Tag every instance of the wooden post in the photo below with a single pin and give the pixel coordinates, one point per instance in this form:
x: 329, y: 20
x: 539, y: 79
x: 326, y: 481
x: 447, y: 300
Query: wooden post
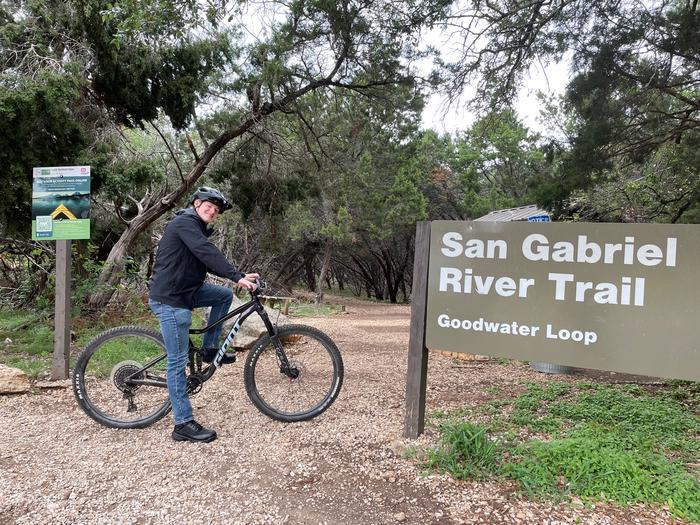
x: 61, y: 340
x: 417, y: 351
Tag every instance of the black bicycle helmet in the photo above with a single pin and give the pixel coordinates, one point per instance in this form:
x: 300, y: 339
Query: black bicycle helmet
x: 205, y: 193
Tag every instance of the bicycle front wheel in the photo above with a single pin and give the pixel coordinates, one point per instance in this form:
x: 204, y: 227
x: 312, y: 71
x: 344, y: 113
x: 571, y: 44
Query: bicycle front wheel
x: 119, y: 378
x: 310, y: 384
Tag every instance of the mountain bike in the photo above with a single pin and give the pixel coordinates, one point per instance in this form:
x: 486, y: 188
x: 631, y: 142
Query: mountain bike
x: 291, y: 373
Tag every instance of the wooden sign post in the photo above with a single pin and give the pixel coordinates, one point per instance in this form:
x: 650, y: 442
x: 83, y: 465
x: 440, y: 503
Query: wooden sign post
x: 61, y: 342
x: 61, y: 212
x: 417, y: 352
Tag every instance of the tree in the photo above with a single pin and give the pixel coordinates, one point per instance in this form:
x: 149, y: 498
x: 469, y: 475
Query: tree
x: 303, y: 179
x: 634, y: 87
x: 147, y: 58
x: 665, y: 188
x: 28, y: 105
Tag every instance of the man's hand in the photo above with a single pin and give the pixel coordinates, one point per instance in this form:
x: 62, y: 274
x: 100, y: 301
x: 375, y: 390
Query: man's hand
x: 247, y: 282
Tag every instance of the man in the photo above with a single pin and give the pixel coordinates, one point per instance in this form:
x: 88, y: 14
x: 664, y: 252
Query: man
x: 177, y: 286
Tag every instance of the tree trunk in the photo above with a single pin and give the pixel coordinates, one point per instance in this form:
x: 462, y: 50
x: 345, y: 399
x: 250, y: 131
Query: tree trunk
x: 284, y: 268
x: 385, y: 263
x: 112, y: 271
x: 324, y: 269
x: 309, y: 272
x: 371, y: 283
x: 340, y: 279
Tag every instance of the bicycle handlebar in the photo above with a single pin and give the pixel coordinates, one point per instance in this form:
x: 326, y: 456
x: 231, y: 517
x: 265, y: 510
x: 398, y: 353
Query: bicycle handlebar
x: 261, y: 286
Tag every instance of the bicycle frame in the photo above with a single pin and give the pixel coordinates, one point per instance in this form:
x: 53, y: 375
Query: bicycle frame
x: 244, y: 311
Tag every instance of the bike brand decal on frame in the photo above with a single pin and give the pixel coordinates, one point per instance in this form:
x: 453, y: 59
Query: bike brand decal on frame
x: 229, y: 338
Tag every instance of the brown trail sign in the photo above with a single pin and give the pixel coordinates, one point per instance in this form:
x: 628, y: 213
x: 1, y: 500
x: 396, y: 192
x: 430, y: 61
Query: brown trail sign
x: 618, y: 297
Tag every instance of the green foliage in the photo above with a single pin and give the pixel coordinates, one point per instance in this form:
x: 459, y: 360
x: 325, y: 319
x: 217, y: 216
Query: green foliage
x: 465, y: 451
x: 122, y: 349
x: 137, y: 80
x: 631, y: 92
x: 27, y: 105
x: 32, y: 341
x: 128, y: 176
x: 621, y: 444
x: 530, y: 409
x: 147, y: 18
x: 300, y: 221
x: 385, y: 205
x: 303, y: 309
x: 32, y: 333
x: 654, y: 417
x: 682, y: 391
x: 595, y: 463
x: 29, y: 333
x: 665, y: 187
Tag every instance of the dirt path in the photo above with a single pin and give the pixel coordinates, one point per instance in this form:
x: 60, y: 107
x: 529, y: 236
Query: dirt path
x: 346, y: 467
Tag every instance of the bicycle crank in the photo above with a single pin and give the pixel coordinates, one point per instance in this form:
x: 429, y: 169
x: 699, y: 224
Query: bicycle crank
x: 194, y: 383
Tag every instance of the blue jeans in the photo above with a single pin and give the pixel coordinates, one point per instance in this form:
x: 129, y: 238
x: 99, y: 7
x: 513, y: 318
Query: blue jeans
x: 175, y: 325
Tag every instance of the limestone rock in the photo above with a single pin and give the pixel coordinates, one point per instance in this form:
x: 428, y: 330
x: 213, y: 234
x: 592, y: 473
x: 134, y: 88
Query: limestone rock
x: 13, y: 380
x: 252, y: 327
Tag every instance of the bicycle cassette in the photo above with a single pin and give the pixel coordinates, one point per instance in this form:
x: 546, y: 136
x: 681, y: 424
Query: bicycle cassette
x: 123, y: 371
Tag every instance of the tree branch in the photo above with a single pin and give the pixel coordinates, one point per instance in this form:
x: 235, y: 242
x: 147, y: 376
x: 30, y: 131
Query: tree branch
x: 172, y: 153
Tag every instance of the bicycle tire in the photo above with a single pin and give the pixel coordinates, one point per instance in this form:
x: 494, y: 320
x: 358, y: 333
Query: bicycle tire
x: 317, y: 386
x: 101, y: 370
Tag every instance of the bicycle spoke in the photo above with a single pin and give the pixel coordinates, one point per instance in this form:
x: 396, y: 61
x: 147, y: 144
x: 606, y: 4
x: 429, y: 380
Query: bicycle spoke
x: 305, y: 389
x: 120, y: 378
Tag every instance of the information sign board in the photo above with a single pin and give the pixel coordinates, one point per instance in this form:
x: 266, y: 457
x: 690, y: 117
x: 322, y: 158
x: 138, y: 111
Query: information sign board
x: 61, y: 203
x: 620, y: 297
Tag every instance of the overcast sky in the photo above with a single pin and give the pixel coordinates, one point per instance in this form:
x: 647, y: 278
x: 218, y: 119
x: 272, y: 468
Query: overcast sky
x: 551, y: 80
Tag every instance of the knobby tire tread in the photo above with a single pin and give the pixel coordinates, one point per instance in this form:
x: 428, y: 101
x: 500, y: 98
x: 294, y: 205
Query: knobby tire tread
x: 79, y: 378
x: 263, y: 343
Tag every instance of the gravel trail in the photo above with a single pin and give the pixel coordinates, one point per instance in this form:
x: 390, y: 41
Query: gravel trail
x: 346, y: 467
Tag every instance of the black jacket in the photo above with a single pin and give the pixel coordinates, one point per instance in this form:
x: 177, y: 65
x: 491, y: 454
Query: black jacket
x: 184, y: 257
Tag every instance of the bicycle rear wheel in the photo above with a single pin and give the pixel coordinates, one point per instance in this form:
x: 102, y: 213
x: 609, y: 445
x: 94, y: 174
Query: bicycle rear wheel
x: 119, y: 378
x: 313, y: 385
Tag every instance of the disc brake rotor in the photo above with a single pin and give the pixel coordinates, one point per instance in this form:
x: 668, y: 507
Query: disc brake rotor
x: 295, y: 370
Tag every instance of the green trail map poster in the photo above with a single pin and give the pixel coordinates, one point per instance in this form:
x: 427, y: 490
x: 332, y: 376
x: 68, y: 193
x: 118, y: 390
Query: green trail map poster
x: 61, y: 203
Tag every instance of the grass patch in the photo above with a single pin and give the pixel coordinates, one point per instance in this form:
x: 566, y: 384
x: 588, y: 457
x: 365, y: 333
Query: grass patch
x: 10, y: 320
x: 32, y: 336
x: 611, y: 443
x: 302, y: 309
x: 34, y: 367
x: 26, y: 342
x: 465, y: 451
x: 595, y: 463
x: 120, y: 349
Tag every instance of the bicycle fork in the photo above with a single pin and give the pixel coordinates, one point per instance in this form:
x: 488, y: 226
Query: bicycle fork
x: 285, y: 368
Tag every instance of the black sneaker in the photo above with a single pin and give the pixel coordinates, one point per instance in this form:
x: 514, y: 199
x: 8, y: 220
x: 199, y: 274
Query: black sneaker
x: 194, y: 432
x: 208, y: 355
